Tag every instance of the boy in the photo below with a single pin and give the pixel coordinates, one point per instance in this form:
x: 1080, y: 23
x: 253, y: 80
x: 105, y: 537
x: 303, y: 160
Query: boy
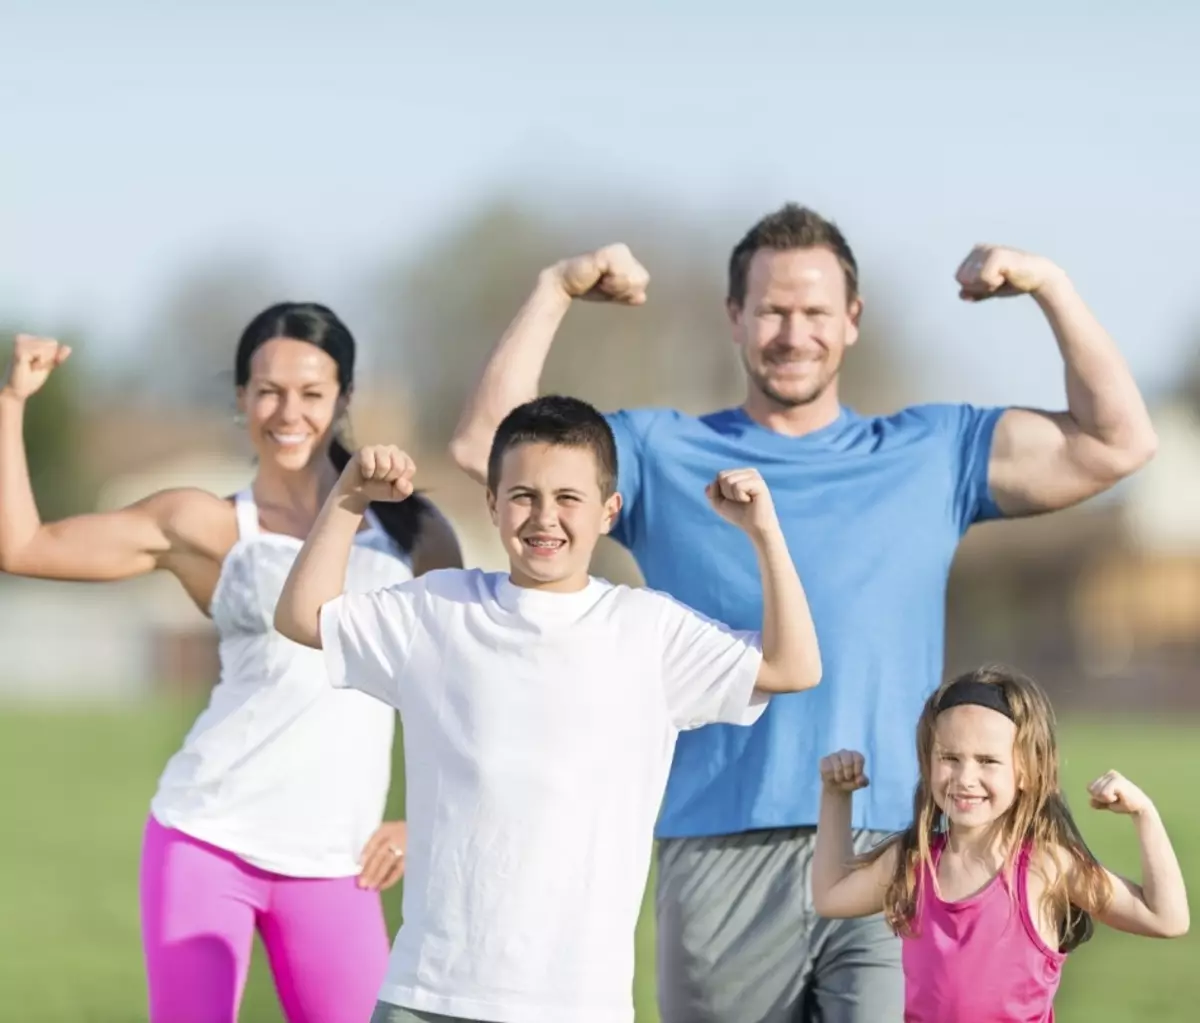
x: 541, y: 708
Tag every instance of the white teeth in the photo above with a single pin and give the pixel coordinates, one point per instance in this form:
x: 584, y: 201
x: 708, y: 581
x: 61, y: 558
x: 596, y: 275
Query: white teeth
x: 288, y: 439
x: 544, y: 543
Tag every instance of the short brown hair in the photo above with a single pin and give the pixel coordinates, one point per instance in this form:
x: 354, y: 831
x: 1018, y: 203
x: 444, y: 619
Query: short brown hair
x: 562, y: 421
x: 790, y: 227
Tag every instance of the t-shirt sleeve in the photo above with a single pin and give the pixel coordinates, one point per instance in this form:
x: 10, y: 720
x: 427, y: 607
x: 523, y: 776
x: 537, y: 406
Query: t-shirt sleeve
x: 709, y: 669
x: 629, y: 427
x: 973, y: 496
x: 969, y: 430
x: 367, y: 638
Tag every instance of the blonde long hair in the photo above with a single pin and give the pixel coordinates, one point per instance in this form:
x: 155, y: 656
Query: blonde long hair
x: 1038, y: 815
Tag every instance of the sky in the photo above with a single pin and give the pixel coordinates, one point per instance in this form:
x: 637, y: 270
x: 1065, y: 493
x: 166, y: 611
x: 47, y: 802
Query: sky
x: 138, y: 140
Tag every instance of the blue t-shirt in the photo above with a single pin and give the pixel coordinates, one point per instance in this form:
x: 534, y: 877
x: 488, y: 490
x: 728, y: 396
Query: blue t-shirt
x: 873, y: 509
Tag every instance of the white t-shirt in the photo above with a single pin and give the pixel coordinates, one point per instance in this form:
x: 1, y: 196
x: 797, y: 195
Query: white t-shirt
x: 539, y: 729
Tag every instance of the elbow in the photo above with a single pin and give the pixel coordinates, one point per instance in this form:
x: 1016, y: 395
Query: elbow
x: 469, y: 457
x: 10, y: 563
x: 824, y: 905
x: 806, y: 674
x: 1133, y: 453
x: 814, y: 674
x: 1176, y: 927
x: 283, y: 621
x: 287, y: 624
x: 819, y: 901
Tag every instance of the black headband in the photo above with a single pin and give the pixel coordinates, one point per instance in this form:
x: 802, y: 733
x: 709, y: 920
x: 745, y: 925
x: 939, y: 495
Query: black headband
x: 981, y: 694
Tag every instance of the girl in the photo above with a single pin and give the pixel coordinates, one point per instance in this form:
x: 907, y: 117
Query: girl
x: 269, y: 818
x: 992, y: 884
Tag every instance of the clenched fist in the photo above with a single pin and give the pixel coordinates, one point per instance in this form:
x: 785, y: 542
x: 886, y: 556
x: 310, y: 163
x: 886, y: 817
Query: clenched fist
x: 1112, y: 791
x: 843, y: 771
x: 610, y: 274
x: 992, y: 271
x: 33, y: 360
x: 741, y: 496
x: 378, y: 472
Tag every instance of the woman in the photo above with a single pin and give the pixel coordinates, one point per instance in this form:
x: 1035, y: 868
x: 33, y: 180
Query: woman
x: 269, y: 817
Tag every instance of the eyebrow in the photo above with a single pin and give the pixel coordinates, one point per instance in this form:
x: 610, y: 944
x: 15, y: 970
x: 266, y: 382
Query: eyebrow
x: 268, y: 382
x: 526, y: 487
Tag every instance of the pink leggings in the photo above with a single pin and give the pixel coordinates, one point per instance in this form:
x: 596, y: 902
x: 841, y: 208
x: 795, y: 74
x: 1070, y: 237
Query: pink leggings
x: 326, y: 939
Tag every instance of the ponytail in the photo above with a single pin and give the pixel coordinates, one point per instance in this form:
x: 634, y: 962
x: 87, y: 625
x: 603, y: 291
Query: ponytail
x: 401, y: 520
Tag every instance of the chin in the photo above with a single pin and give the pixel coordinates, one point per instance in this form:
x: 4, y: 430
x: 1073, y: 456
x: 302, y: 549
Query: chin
x: 794, y: 393
x: 546, y: 575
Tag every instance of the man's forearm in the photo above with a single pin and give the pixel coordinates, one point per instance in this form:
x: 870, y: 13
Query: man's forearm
x: 319, y: 572
x: 791, y: 655
x: 512, y: 373
x: 1103, y: 398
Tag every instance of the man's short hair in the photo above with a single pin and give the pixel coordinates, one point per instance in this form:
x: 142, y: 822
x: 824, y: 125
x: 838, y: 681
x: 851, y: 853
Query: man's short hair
x: 790, y: 227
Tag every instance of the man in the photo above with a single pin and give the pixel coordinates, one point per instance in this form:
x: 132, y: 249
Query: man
x: 873, y: 509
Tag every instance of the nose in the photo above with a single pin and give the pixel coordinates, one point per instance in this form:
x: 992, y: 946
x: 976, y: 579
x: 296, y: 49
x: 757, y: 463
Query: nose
x: 290, y: 407
x: 545, y: 514
x: 794, y: 332
x: 966, y: 775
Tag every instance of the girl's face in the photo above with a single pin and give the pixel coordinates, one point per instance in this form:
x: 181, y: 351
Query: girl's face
x: 291, y: 402
x: 974, y: 771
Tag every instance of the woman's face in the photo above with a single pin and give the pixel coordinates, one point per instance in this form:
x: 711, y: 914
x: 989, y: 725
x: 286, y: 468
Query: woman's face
x: 291, y: 403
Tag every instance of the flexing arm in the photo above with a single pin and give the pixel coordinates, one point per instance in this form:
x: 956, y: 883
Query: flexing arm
x: 791, y: 657
x: 97, y: 547
x: 513, y: 372
x: 839, y: 889
x: 1044, y: 461
x: 1158, y: 907
x: 378, y: 473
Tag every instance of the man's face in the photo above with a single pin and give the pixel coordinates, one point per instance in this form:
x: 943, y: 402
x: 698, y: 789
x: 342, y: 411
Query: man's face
x: 795, y: 324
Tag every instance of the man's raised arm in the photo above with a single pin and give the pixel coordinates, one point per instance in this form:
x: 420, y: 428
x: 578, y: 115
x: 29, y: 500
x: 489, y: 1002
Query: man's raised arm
x: 513, y: 372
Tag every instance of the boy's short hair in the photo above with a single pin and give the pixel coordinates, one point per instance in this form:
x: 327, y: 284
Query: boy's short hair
x: 554, y: 419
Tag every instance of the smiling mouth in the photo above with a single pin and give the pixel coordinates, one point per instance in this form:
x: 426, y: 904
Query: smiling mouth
x: 288, y: 440
x: 793, y: 365
x: 968, y: 802
x: 543, y: 546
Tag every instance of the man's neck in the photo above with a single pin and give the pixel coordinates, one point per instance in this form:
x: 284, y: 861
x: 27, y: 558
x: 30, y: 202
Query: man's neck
x: 794, y: 420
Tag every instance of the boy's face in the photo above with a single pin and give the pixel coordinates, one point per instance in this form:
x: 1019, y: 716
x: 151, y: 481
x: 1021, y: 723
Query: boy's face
x: 550, y: 513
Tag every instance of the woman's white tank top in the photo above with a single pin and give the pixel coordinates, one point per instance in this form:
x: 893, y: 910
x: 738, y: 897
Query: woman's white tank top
x: 280, y: 768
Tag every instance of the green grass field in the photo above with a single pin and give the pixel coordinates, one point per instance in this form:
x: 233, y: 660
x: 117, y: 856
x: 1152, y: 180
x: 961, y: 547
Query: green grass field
x: 76, y: 787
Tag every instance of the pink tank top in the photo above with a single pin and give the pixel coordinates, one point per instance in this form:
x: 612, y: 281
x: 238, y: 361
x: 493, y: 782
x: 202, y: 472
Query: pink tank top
x: 980, y: 959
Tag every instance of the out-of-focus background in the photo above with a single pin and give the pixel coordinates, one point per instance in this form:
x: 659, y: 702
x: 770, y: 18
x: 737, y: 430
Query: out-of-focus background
x: 168, y: 170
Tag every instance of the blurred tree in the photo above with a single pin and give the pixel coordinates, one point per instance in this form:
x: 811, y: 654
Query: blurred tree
x: 188, y: 355
x: 53, y: 420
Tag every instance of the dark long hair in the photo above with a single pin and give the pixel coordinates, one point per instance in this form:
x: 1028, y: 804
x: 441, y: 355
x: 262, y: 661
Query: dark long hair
x: 318, y: 325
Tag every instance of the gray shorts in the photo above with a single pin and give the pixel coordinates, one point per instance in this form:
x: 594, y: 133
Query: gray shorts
x: 739, y: 941
x: 386, y: 1012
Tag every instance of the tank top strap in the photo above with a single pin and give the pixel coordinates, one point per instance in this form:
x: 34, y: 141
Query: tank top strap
x: 1021, y: 873
x: 247, y: 514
